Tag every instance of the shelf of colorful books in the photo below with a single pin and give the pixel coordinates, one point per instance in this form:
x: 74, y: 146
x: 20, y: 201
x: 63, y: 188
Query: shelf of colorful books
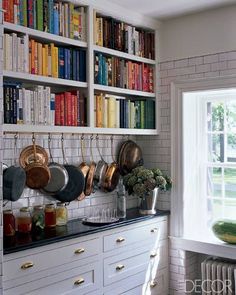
x: 124, y: 55
x: 122, y: 91
x: 18, y: 76
x: 11, y: 128
x: 43, y: 35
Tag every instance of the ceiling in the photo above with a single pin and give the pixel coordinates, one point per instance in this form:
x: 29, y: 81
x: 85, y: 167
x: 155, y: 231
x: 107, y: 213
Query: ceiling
x: 162, y: 9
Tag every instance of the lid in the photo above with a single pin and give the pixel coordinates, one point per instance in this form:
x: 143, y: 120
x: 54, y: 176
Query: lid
x: 50, y: 206
x: 8, y: 211
x: 61, y: 204
x: 24, y: 209
x: 38, y: 207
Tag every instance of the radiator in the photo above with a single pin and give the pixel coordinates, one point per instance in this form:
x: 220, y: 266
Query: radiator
x: 218, y: 277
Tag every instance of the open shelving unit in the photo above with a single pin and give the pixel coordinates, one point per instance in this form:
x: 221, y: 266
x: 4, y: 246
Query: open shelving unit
x: 89, y: 87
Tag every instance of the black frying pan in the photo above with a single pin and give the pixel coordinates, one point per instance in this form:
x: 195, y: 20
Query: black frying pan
x: 74, y: 187
x: 14, y: 179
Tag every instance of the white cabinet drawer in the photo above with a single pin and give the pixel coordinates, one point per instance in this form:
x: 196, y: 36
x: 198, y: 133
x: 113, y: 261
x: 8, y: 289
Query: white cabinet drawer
x: 48, y: 259
x: 153, y: 232
x: 80, y: 280
x: 157, y: 286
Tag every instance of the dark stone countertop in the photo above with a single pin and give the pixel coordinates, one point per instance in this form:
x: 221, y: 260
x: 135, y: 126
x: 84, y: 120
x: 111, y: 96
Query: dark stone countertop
x: 74, y: 229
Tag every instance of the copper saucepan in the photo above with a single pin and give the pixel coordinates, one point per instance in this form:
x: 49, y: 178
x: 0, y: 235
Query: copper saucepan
x: 35, y: 166
x: 129, y: 157
x: 112, y: 174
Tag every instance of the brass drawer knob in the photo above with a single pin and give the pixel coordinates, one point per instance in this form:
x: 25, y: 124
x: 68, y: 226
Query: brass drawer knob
x: 120, y: 240
x: 153, y: 255
x: 120, y: 267
x: 154, y: 230
x: 27, y: 265
x: 79, y: 281
x: 153, y: 284
x: 79, y: 251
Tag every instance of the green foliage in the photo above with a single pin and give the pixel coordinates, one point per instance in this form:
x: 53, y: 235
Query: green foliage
x: 142, y: 180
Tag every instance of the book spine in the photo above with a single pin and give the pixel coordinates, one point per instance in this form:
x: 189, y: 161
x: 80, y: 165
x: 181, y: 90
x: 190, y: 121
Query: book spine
x: 30, y: 14
x: 6, y: 105
x: 45, y: 16
x: 61, y: 62
x: 50, y: 16
x: 20, y: 118
x: 14, y: 104
x: 68, y: 107
x: 62, y: 109
x: 52, y: 110
x: 56, y: 19
x: 57, y: 109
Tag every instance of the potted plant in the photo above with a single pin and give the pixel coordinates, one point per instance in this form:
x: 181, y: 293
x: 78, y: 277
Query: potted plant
x: 145, y: 184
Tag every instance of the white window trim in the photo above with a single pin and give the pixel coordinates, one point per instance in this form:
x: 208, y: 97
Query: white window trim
x: 177, y: 90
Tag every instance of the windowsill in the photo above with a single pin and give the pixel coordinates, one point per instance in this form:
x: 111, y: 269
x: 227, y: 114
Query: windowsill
x: 209, y: 246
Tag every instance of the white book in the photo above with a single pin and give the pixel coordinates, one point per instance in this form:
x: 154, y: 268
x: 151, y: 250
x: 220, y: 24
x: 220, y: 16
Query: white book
x: 105, y: 111
x: 117, y: 113
x: 130, y: 40
x: 36, y: 107
x: 8, y: 52
x: 52, y: 110
x: 15, y: 9
x: 40, y: 90
x: 47, y: 101
x: 26, y: 107
x: 14, y: 52
x: 136, y: 42
x: 20, y: 55
x: 26, y: 54
x: 32, y: 110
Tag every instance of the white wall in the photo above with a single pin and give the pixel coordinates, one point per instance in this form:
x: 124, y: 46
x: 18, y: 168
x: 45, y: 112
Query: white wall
x: 198, y: 34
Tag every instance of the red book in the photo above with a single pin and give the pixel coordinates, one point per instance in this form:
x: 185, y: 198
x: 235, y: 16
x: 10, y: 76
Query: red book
x: 68, y: 110
x: 57, y: 109
x: 150, y: 79
x: 6, y: 7
x: 30, y: 7
x: 145, y: 78
x: 11, y: 9
x: 62, y: 109
x: 75, y: 110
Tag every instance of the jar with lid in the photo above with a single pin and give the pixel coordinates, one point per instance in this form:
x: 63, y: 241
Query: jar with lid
x: 50, y: 215
x: 38, y: 220
x: 9, y: 227
x: 24, y: 220
x: 61, y: 214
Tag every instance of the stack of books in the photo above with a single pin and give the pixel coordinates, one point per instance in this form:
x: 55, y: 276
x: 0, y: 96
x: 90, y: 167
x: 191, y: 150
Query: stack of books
x: 120, y: 112
x: 49, y: 16
x: 118, y: 72
x: 118, y: 35
x: 39, y: 106
x: 30, y: 56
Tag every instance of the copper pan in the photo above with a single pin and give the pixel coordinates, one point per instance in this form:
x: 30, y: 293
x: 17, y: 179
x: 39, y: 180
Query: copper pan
x: 112, y: 174
x: 129, y: 157
x: 37, y: 173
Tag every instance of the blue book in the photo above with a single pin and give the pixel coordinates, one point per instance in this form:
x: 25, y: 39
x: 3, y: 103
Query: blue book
x: 50, y: 16
x: 21, y: 12
x: 66, y: 73
x: 77, y: 65
x: 82, y: 68
x: 99, y: 79
x: 69, y: 64
x: 121, y: 113
x: 103, y: 70
x: 56, y: 19
x: 74, y: 65
x: 61, y: 56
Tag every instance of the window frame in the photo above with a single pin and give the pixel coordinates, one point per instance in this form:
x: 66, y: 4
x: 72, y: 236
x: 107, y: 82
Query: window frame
x: 178, y: 88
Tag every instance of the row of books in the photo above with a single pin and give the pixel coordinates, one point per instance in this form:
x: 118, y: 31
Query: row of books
x: 118, y: 72
x: 49, y: 16
x: 111, y: 33
x: 39, y: 106
x: 30, y: 56
x: 120, y: 112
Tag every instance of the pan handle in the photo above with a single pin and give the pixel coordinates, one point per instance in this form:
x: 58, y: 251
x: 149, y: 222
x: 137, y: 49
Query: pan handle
x: 49, y: 147
x: 91, y: 147
x: 97, y: 146
x: 112, y: 155
x: 62, y: 149
x: 34, y: 147
x: 82, y: 147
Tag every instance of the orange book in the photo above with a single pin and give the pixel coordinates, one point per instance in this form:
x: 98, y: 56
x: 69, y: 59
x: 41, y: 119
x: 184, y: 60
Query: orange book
x: 36, y: 66
x: 40, y: 59
x: 32, y: 56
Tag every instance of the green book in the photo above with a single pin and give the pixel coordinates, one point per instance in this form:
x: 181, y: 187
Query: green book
x: 142, y: 117
x: 137, y: 105
x: 39, y: 13
x: 24, y: 12
x: 149, y: 114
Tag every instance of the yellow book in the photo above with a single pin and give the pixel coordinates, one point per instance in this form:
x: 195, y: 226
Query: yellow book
x: 46, y: 60
x: 105, y: 116
x: 53, y: 58
x: 99, y: 113
x: 111, y: 110
x: 40, y: 59
x: 100, y: 31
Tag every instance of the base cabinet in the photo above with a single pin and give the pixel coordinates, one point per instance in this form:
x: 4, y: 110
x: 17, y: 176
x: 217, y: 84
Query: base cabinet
x: 131, y: 260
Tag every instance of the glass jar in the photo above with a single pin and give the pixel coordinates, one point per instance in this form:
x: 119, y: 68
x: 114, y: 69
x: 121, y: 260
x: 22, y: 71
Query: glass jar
x: 24, y: 220
x: 50, y: 215
x: 121, y: 200
x: 9, y: 227
x: 38, y: 220
x: 61, y: 214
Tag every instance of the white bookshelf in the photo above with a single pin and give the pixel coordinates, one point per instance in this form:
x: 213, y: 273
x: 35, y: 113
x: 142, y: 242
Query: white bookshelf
x: 24, y: 77
x: 12, y: 128
x: 88, y: 86
x: 43, y: 35
x: 123, y: 55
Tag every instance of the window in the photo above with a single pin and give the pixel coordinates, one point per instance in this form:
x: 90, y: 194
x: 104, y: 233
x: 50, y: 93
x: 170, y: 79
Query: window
x: 209, y: 159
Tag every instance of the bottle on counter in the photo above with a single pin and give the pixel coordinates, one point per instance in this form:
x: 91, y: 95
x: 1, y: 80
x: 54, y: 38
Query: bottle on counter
x: 50, y: 215
x: 121, y: 200
x: 61, y: 214
x: 38, y: 218
x: 9, y: 227
x: 24, y: 221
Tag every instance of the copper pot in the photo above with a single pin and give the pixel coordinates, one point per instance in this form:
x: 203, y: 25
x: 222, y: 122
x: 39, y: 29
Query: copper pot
x: 129, y: 157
